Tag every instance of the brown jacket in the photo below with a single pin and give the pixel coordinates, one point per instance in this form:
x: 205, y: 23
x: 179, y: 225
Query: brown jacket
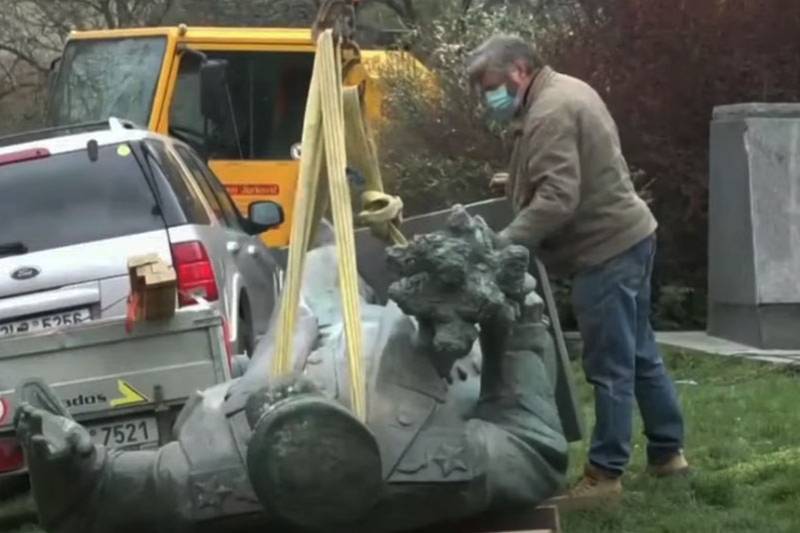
x: 569, y: 183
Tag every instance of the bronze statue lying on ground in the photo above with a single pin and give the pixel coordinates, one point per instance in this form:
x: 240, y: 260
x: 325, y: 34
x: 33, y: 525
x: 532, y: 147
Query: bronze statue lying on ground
x: 454, y: 427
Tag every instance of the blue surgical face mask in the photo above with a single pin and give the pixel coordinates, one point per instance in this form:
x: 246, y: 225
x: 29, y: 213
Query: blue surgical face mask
x: 501, y: 103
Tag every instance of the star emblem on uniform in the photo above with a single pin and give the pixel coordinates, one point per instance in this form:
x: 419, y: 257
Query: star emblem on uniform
x: 450, y: 458
x: 211, y: 493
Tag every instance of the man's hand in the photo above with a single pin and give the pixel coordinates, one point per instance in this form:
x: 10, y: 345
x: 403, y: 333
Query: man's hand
x: 498, y: 183
x: 502, y: 240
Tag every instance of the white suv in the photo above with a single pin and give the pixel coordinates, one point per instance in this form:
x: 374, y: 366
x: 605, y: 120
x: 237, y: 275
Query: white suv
x: 77, y: 202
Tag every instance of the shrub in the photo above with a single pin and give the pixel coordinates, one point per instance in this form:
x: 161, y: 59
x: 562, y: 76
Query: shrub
x: 437, y: 148
x: 660, y: 65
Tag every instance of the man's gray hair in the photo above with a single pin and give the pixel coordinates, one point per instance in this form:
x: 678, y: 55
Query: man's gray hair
x: 498, y: 54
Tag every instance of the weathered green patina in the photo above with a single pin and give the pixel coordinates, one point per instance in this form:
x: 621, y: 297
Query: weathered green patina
x: 461, y: 415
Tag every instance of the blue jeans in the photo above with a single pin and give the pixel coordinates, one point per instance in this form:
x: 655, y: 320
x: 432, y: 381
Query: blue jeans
x: 621, y: 359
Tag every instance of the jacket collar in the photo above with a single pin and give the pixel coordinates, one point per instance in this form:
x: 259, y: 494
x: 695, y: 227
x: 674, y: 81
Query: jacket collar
x: 542, y: 80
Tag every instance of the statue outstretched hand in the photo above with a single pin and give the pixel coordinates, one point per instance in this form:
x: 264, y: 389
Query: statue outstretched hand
x: 63, y: 462
x: 63, y: 439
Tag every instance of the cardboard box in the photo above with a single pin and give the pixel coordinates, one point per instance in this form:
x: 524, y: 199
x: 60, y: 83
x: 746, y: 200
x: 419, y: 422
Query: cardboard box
x: 154, y: 286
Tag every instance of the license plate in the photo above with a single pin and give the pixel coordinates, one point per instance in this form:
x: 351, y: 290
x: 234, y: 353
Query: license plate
x: 127, y: 433
x: 41, y: 323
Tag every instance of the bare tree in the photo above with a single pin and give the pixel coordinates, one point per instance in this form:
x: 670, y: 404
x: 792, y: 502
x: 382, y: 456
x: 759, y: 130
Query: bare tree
x: 34, y: 31
x: 33, y: 34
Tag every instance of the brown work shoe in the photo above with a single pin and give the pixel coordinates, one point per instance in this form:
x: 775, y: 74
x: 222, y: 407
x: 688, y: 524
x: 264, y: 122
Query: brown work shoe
x: 676, y: 465
x: 597, y: 487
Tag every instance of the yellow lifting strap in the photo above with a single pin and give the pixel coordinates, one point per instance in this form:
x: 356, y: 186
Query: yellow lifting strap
x: 380, y: 211
x: 324, y: 132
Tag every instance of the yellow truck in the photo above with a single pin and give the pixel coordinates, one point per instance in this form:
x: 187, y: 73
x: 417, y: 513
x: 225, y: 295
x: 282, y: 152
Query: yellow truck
x: 237, y: 95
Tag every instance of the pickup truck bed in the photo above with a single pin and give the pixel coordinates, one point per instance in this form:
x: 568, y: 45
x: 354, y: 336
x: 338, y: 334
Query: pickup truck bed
x: 127, y: 388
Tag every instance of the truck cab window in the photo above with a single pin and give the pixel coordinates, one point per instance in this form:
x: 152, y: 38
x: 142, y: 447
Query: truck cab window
x: 101, y: 78
x: 264, y: 115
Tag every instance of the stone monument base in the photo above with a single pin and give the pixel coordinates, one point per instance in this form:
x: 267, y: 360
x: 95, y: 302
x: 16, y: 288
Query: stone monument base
x: 754, y: 216
x: 767, y: 327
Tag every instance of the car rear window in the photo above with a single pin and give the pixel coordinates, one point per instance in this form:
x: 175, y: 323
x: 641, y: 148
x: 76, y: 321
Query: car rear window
x: 67, y: 199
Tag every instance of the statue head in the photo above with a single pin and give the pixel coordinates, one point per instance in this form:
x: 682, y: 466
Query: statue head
x: 459, y: 283
x: 311, y: 463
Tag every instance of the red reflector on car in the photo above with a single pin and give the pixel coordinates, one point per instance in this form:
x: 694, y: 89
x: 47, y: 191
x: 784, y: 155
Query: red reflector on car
x: 189, y: 252
x: 195, y: 273
x: 24, y: 155
x: 11, y: 456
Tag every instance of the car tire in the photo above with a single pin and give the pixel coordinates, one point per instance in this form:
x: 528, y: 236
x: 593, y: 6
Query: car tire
x: 244, y: 329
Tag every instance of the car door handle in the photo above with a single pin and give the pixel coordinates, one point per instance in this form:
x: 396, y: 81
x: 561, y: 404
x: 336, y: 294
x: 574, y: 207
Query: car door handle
x: 234, y: 247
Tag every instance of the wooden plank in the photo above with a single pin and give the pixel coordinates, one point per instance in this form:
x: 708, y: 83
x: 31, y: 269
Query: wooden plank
x: 544, y: 519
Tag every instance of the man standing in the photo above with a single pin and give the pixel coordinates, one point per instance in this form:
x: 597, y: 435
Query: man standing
x: 576, y: 208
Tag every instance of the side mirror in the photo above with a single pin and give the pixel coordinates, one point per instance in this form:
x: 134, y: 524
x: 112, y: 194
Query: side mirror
x: 264, y: 216
x: 213, y: 89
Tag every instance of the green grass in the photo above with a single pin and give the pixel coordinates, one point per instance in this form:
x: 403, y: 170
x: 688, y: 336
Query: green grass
x: 743, y: 440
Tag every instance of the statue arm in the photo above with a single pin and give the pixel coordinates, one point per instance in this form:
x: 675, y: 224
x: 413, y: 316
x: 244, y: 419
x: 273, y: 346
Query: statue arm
x: 461, y: 284
x: 516, y: 426
x: 140, y: 491
x: 82, y: 487
x: 510, y: 452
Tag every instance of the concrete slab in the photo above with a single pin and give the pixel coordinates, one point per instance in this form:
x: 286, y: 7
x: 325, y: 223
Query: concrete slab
x: 703, y: 342
x: 700, y: 341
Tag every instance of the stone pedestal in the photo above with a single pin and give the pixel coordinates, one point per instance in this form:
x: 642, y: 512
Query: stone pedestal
x: 754, y: 225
